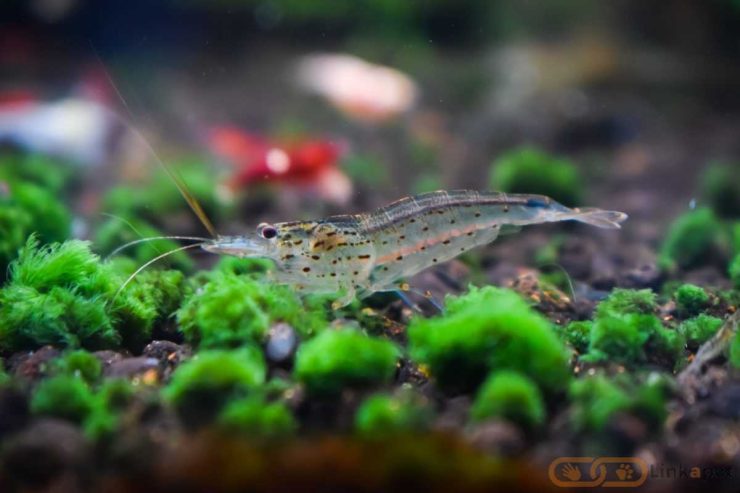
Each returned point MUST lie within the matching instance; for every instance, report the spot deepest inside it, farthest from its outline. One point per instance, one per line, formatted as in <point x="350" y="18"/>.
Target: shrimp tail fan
<point x="599" y="217"/>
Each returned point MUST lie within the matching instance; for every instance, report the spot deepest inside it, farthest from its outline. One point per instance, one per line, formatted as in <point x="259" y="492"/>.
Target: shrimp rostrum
<point x="361" y="254"/>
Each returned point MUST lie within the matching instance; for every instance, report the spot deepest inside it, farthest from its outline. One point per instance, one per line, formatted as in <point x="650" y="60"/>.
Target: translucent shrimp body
<point x="365" y="253"/>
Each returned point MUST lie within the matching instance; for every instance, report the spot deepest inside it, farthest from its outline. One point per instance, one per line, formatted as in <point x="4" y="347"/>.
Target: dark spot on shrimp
<point x="477" y="214"/>
<point x="434" y="260"/>
<point x="315" y="257"/>
<point x="333" y="274"/>
<point x="298" y="242"/>
<point x="425" y="228"/>
<point x="400" y="257"/>
<point x="363" y="257"/>
<point x="471" y="233"/>
<point x="446" y="242"/>
<point x="307" y="269"/>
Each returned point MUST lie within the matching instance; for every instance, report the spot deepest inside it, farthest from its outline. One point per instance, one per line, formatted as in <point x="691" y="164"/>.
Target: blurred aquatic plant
<point x="63" y="396"/>
<point x="202" y="386"/>
<point x="484" y="330"/>
<point x="341" y="359"/>
<point x="597" y="400"/>
<point x="80" y="364"/>
<point x="118" y="231"/>
<point x="47" y="173"/>
<point x="530" y="170"/>
<point x="257" y="418"/>
<point x="383" y="415"/>
<point x="511" y="396"/>
<point x="157" y="200"/>
<point x="26" y="208"/>
<point x="693" y="239"/>
<point x="721" y="189"/>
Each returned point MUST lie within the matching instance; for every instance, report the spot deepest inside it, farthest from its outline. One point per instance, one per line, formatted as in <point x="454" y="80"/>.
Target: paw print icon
<point x="625" y="472"/>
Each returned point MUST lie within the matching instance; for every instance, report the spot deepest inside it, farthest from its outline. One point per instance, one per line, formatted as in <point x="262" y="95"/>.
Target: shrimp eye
<point x="267" y="231"/>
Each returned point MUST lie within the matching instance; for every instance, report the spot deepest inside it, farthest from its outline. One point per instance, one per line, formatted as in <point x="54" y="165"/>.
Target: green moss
<point x="530" y="170"/>
<point x="336" y="359"/>
<point x="230" y="310"/>
<point x="151" y="299"/>
<point x="721" y="188"/>
<point x="616" y="339"/>
<point x="119" y="231"/>
<point x="734" y="271"/>
<point x="256" y="418"/>
<point x="24" y="209"/>
<point x="79" y="364"/>
<point x="63" y="396"/>
<point x="73" y="287"/>
<point x="596" y="400"/>
<point x="632" y="339"/>
<point x="699" y="330"/>
<point x="691" y="240"/>
<point x="159" y="199"/>
<point x="37" y="169"/>
<point x="691" y="299"/>
<point x="110" y="401"/>
<point x="68" y="319"/>
<point x="578" y="334"/>
<point x="488" y="329"/>
<point x="202" y="386"/>
<point x="512" y="396"/>
<point x="382" y="415"/>
<point x="627" y="301"/>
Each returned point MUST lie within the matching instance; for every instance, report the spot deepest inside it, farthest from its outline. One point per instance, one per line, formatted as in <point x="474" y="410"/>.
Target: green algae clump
<point x="691" y="299"/>
<point x="596" y="400"/>
<point x="530" y="170"/>
<point x="512" y="396"/>
<point x="691" y="240"/>
<point x="484" y="330"/>
<point x="337" y="359"/>
<point x="81" y="303"/>
<point x="256" y="418"/>
<point x="63" y="396"/>
<point x="721" y="188"/>
<point x="201" y="386"/>
<point x="578" y="334"/>
<point x="699" y="329"/>
<point x="80" y="364"/>
<point x="382" y="415"/>
<point x="627" y="301"/>
<point x="26" y="208"/>
<point x="67" y="281"/>
<point x="230" y="310"/>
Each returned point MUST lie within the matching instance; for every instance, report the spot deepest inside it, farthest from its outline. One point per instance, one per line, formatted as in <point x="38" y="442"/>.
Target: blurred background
<point x="288" y="109"/>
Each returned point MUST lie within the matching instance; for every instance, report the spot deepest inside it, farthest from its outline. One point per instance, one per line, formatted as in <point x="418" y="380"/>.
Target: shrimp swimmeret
<point x="361" y="254"/>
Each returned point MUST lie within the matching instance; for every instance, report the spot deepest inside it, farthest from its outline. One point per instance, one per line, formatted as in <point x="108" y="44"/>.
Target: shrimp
<point x="362" y="254"/>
